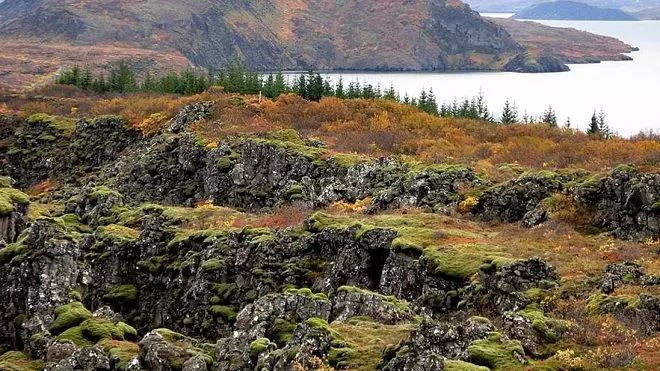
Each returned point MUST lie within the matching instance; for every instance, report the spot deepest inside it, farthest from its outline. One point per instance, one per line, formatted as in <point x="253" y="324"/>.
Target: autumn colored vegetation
<point x="372" y="127"/>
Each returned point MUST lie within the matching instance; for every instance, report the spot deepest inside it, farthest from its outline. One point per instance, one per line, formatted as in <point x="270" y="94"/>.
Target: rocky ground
<point x="166" y="252"/>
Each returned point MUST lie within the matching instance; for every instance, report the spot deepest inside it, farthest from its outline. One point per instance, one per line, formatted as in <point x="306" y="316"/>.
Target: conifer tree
<point x="339" y="89"/>
<point x="549" y="117"/>
<point x="509" y="113"/>
<point x="594" y="127"/>
<point x="603" y="126"/>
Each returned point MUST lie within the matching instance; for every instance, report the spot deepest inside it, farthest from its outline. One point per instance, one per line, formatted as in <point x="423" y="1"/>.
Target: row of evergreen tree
<point x="312" y="86"/>
<point x="598" y="126"/>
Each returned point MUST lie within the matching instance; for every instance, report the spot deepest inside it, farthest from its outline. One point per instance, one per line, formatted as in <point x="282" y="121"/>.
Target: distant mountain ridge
<point x="277" y="34"/>
<point x="571" y="10"/>
<point x="40" y="37"/>
<point x="513" y="6"/>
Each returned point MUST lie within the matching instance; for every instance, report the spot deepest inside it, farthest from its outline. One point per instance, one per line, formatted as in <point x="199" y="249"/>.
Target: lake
<point x="628" y="91"/>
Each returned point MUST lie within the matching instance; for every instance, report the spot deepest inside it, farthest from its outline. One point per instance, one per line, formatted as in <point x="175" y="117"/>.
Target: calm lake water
<point x="628" y="91"/>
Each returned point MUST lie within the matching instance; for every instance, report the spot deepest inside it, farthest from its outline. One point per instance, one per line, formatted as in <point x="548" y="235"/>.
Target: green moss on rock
<point x="117" y="233"/>
<point x="452" y="365"/>
<point x="259" y="346"/>
<point x="69" y="315"/>
<point x="213" y="264"/>
<point x="496" y="353"/>
<point x="227" y="313"/>
<point x="62" y="124"/>
<point x="124" y="295"/>
<point x="307" y="292"/>
<point x="10" y="198"/>
<point x="549" y="328"/>
<point x="120" y="353"/>
<point x="11" y="251"/>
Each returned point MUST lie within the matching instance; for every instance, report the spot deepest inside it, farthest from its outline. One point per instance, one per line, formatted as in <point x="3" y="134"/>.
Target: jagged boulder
<point x="37" y="274"/>
<point x="93" y="204"/>
<point x="13" y="211"/>
<point x="520" y="199"/>
<point x="619" y="274"/>
<point x="309" y="346"/>
<point x="97" y="142"/>
<point x="59" y="148"/>
<point x="85" y="359"/>
<point x="437" y="185"/>
<point x="502" y="286"/>
<point x="437" y="342"/>
<point x="191" y="114"/>
<point x="352" y="301"/>
<point x="627" y="202"/>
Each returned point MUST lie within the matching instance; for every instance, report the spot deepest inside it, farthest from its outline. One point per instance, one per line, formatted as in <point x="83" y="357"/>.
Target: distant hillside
<point x="571" y="10"/>
<point x="648" y="14"/>
<point x="513" y="6"/>
<point x="276" y="34"/>
<point x="567" y="44"/>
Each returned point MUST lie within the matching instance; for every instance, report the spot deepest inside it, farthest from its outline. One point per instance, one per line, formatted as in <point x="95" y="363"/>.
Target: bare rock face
<point x="519" y="199"/>
<point x="434" y="343"/>
<point x="13" y="211"/>
<point x="38" y="277"/>
<point x="626" y="202"/>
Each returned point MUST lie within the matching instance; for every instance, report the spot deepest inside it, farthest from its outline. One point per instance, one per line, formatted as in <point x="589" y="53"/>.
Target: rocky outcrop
<point x="61" y="149"/>
<point x="37" y="274"/>
<point x="13" y="211"/>
<point x="541" y="64"/>
<point x="502" y="286"/>
<point x="619" y="274"/>
<point x="436" y="343"/>
<point x="520" y="199"/>
<point x="189" y="115"/>
<point x="627" y="202"/>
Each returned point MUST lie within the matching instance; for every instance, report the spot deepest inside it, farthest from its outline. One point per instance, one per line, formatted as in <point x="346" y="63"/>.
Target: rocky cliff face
<point x="113" y="281"/>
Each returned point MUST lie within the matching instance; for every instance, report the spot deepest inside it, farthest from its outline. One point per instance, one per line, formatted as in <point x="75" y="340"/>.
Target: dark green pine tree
<point x="280" y="84"/>
<point x="339" y="89"/>
<point x="301" y="86"/>
<point x="315" y="87"/>
<point x="390" y="93"/>
<point x="550" y="117"/>
<point x="594" y="127"/>
<point x="603" y="126"/>
<point x="509" y="113"/>
<point x="86" y="79"/>
<point x="431" y="103"/>
<point x="269" y="87"/>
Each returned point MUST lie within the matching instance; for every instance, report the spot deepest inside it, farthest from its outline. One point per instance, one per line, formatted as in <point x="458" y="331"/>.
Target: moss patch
<point x="93" y="330"/>
<point x="124" y="295"/>
<point x="10" y="198"/>
<point x="69" y="315"/>
<point x="117" y="233"/>
<point x="549" y="328"/>
<point x="496" y="353"/>
<point x="452" y="365"/>
<point x="259" y="346"/>
<point x="365" y="341"/>
<point x="18" y="361"/>
<point x="62" y="124"/>
<point x="120" y="353"/>
<point x="307" y="292"/>
<point x="225" y="312"/>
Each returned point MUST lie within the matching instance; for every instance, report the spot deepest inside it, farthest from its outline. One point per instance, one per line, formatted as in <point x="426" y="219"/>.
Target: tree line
<point x="311" y="85"/>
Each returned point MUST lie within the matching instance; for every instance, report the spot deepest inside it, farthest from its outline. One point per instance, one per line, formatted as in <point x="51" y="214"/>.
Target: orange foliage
<point x="370" y="127"/>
